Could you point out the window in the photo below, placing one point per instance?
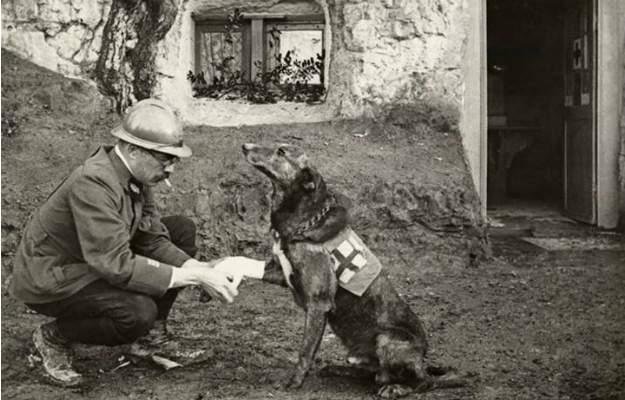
(217, 50)
(254, 42)
(302, 40)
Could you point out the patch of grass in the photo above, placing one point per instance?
(437, 115)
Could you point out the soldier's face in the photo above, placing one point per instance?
(149, 168)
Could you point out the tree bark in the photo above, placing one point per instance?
(125, 68)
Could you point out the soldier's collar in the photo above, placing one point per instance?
(121, 157)
(124, 175)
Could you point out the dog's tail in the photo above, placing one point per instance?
(448, 381)
(444, 378)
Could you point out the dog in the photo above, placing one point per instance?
(334, 277)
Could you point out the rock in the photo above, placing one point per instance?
(404, 29)
(67, 42)
(22, 10)
(61, 35)
(32, 46)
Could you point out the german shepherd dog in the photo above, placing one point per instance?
(383, 336)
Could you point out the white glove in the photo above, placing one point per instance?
(220, 284)
(242, 266)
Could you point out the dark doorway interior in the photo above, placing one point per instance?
(526, 54)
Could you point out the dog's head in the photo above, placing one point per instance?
(299, 194)
(286, 165)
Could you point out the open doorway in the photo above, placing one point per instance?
(525, 64)
(541, 107)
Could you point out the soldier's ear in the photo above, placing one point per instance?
(130, 150)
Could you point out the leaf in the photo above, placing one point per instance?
(165, 363)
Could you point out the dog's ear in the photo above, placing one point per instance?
(309, 179)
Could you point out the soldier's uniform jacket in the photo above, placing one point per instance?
(98, 224)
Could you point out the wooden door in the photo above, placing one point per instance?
(579, 116)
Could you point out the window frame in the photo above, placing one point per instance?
(217, 23)
(310, 23)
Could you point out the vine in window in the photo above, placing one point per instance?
(234, 24)
(289, 80)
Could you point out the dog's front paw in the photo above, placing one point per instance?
(394, 391)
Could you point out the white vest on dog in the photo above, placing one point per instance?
(354, 265)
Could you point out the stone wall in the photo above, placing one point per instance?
(395, 51)
(381, 52)
(62, 35)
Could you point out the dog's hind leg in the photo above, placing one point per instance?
(401, 369)
(384, 377)
(394, 386)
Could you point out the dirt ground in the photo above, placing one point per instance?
(528, 323)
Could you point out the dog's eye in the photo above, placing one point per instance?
(281, 151)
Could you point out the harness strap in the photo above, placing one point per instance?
(285, 264)
(344, 262)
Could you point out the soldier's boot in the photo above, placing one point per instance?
(55, 353)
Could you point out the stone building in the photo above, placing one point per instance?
(537, 84)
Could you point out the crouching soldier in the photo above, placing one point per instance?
(96, 255)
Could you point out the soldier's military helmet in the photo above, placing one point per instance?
(152, 124)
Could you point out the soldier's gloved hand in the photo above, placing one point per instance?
(192, 262)
(243, 266)
(219, 284)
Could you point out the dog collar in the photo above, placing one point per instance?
(315, 219)
(308, 224)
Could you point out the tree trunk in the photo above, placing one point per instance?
(125, 68)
